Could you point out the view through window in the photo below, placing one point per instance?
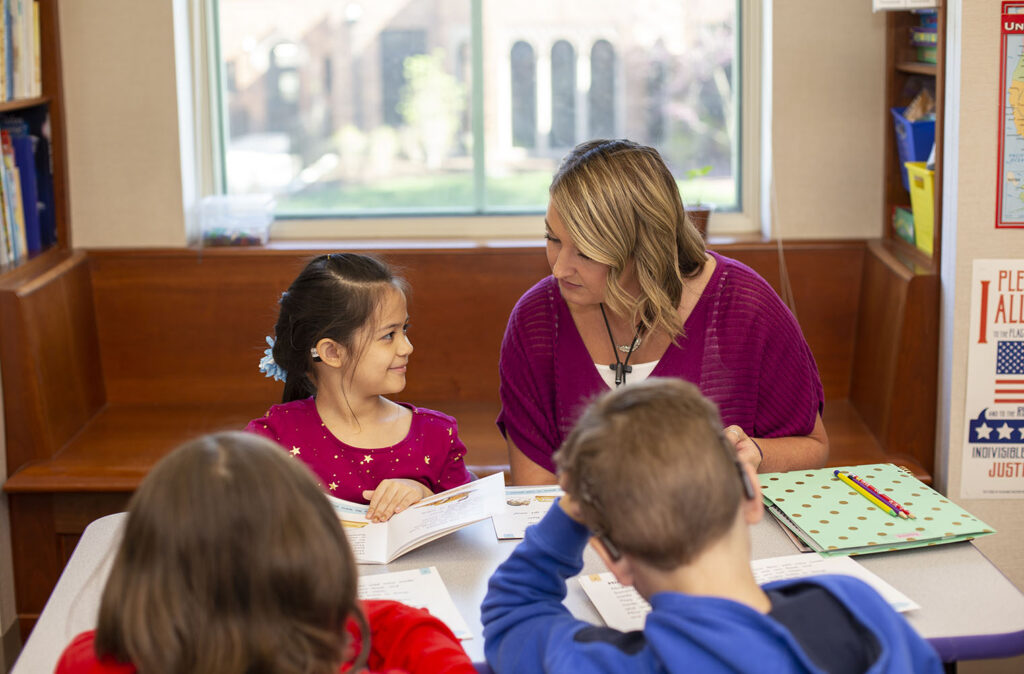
(381, 107)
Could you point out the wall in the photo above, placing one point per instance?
(828, 118)
(122, 123)
(125, 168)
(970, 237)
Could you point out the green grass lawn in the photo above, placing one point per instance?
(526, 191)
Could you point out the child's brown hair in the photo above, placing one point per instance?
(231, 561)
(652, 471)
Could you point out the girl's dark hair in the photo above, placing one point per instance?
(333, 298)
(231, 561)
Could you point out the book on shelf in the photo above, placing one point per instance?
(12, 181)
(833, 519)
(24, 158)
(21, 36)
(420, 523)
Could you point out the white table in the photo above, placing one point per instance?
(969, 610)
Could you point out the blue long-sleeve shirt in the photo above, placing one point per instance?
(528, 629)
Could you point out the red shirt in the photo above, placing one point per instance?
(403, 640)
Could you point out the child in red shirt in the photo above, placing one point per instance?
(232, 561)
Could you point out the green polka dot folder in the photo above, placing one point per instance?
(833, 519)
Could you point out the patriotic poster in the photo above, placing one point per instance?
(993, 459)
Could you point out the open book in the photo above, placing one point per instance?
(622, 608)
(381, 542)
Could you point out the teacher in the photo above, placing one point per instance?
(633, 293)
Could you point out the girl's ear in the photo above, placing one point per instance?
(331, 353)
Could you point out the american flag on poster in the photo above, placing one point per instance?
(1009, 383)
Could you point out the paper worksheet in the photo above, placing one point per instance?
(422, 588)
(624, 609)
(523, 506)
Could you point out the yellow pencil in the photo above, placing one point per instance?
(866, 494)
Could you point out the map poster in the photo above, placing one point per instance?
(993, 450)
(1010, 169)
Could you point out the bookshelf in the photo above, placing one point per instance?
(905, 76)
(48, 106)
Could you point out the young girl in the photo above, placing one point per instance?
(232, 561)
(341, 346)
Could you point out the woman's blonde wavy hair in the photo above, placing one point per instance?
(620, 204)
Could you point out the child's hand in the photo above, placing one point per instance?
(393, 496)
(571, 508)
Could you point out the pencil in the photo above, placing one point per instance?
(892, 503)
(865, 493)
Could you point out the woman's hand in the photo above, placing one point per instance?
(746, 449)
(393, 496)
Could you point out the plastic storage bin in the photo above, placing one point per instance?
(914, 140)
(922, 201)
(236, 220)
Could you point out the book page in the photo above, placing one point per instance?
(798, 566)
(523, 506)
(445, 512)
(623, 608)
(421, 588)
(368, 539)
(620, 606)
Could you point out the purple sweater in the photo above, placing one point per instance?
(742, 348)
(431, 453)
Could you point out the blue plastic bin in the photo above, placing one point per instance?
(914, 140)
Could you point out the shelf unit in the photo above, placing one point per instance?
(51, 102)
(905, 76)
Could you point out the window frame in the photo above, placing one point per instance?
(495, 227)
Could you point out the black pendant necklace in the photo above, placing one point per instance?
(621, 368)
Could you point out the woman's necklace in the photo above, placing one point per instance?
(622, 368)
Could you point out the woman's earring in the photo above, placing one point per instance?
(314, 355)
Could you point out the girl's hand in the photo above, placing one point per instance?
(746, 448)
(393, 496)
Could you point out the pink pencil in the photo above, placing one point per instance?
(900, 510)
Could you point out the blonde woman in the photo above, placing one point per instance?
(634, 294)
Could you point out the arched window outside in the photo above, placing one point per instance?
(563, 95)
(524, 95)
(601, 98)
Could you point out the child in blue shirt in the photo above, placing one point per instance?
(649, 474)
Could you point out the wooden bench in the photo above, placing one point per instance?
(112, 358)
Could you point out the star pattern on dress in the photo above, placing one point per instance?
(426, 459)
(295, 451)
(366, 458)
(333, 486)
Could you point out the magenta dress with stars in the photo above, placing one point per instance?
(431, 453)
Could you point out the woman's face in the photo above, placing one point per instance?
(581, 280)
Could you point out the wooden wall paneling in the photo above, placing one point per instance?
(35, 553)
(911, 431)
(895, 356)
(177, 326)
(53, 381)
(825, 278)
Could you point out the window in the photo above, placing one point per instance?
(353, 108)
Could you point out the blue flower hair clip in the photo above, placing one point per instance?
(269, 367)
